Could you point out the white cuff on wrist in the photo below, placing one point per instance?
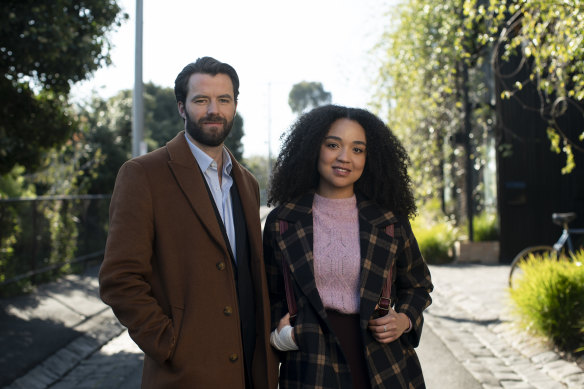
(283, 340)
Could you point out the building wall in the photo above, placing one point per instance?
(530, 184)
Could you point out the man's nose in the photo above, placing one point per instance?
(212, 107)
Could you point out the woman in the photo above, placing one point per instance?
(343, 200)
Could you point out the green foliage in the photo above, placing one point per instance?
(419, 89)
(307, 95)
(547, 34)
(11, 185)
(233, 140)
(30, 125)
(64, 175)
(549, 299)
(56, 42)
(162, 121)
(46, 46)
(42, 233)
(435, 234)
(485, 227)
(107, 130)
(46, 233)
(258, 166)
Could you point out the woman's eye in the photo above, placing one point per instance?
(332, 145)
(358, 150)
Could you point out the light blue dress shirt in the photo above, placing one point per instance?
(221, 192)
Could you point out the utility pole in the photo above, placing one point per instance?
(138, 145)
(269, 131)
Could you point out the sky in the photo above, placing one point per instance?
(271, 44)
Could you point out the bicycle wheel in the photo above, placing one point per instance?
(578, 242)
(515, 271)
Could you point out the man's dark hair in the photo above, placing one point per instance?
(205, 65)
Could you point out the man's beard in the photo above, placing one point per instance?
(212, 138)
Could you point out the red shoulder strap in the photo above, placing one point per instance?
(385, 298)
(290, 299)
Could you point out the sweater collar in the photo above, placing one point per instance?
(369, 210)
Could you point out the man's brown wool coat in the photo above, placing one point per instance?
(168, 275)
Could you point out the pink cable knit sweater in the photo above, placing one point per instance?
(337, 258)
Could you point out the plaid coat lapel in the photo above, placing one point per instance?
(377, 250)
(377, 254)
(296, 246)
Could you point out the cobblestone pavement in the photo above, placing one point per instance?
(469, 314)
(118, 364)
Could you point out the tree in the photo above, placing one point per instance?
(233, 140)
(547, 36)
(305, 95)
(107, 129)
(46, 46)
(162, 120)
(258, 166)
(426, 87)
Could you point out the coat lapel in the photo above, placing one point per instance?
(377, 250)
(184, 167)
(250, 204)
(377, 254)
(296, 244)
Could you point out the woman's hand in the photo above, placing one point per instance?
(285, 321)
(390, 327)
(282, 338)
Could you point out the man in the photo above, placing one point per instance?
(183, 267)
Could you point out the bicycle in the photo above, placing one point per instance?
(552, 252)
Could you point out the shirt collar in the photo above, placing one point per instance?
(205, 160)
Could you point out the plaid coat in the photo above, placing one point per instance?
(319, 362)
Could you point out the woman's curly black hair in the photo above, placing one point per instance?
(385, 178)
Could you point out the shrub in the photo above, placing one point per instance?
(485, 227)
(549, 300)
(435, 234)
(436, 243)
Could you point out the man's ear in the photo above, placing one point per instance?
(181, 109)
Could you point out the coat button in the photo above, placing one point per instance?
(227, 311)
(233, 357)
(221, 265)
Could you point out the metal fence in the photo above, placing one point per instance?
(45, 234)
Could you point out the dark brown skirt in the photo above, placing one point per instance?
(347, 330)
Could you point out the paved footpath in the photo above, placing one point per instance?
(65, 337)
(470, 313)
